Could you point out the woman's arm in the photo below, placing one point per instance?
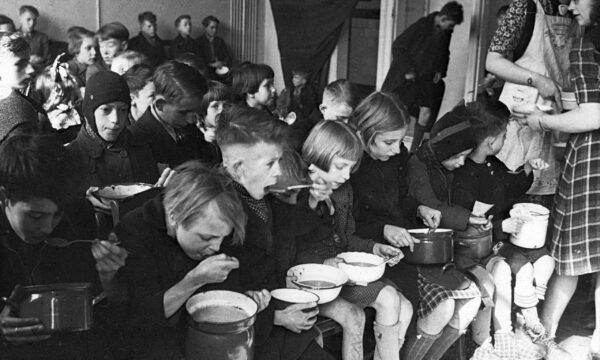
(582, 119)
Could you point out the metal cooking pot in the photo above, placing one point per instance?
(473, 243)
(60, 307)
(435, 247)
(224, 334)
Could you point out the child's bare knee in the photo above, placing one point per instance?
(388, 299)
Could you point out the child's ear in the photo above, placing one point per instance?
(322, 109)
(160, 102)
(3, 198)
(238, 171)
(124, 45)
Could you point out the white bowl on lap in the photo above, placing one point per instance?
(371, 266)
(323, 280)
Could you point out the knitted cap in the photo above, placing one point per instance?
(103, 87)
(452, 134)
(15, 110)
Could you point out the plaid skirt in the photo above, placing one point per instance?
(575, 218)
(431, 295)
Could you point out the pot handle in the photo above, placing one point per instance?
(447, 266)
(99, 298)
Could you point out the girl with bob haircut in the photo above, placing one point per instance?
(174, 243)
(333, 149)
(252, 85)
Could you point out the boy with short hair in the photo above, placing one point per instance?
(339, 99)
(169, 124)
(141, 88)
(300, 98)
(82, 46)
(16, 73)
(6, 24)
(36, 189)
(213, 49)
(184, 43)
(38, 41)
(252, 145)
(112, 40)
(147, 42)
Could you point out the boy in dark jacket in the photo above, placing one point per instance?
(184, 43)
(169, 124)
(147, 42)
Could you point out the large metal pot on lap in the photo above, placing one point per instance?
(220, 326)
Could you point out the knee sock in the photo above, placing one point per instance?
(540, 291)
(386, 337)
(443, 343)
(417, 346)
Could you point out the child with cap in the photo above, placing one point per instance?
(104, 151)
(449, 300)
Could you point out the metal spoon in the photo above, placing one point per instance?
(58, 242)
(282, 190)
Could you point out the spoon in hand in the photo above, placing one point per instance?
(58, 242)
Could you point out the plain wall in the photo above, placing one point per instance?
(56, 16)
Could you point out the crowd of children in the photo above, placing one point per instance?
(213, 142)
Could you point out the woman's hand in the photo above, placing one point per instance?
(262, 298)
(295, 319)
(431, 217)
(109, 258)
(528, 115)
(547, 88)
(164, 178)
(213, 269)
(512, 225)
(399, 237)
(386, 251)
(96, 203)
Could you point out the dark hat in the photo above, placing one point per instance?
(452, 134)
(16, 111)
(103, 87)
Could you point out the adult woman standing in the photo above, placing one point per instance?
(575, 243)
(530, 51)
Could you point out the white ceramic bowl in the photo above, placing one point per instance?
(323, 280)
(362, 274)
(293, 296)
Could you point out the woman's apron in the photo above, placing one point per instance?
(548, 54)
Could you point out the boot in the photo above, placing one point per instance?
(419, 345)
(417, 137)
(443, 343)
(386, 337)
